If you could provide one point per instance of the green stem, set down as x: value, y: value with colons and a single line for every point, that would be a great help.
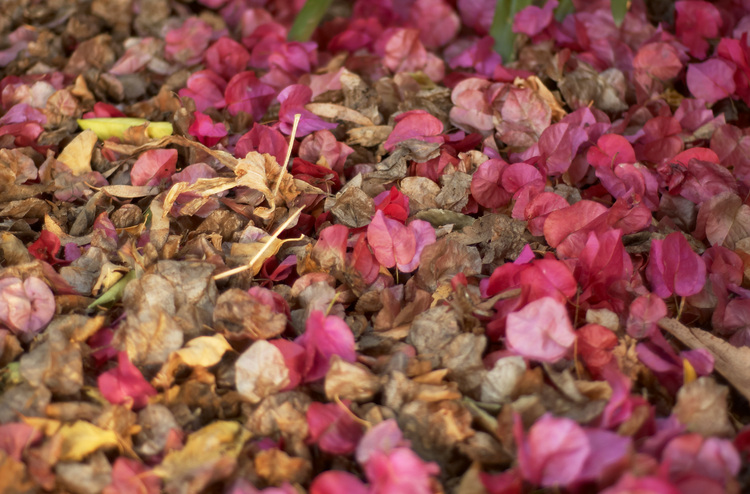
x: 308, y: 19
x: 502, y: 27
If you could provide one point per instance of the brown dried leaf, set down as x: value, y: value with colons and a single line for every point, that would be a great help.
x: 370, y: 136
x: 352, y: 207
x: 455, y: 191
x: 260, y: 372
x: 421, y: 191
x: 702, y: 405
x: 350, y: 381
x: 277, y: 467
x: 339, y: 112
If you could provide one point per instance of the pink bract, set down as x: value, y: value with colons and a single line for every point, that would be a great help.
x: 154, y: 166
x: 324, y: 337
x: 25, y: 306
x: 540, y: 331
x: 125, y: 384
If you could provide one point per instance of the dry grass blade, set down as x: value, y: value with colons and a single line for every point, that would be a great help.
x: 281, y: 227
x: 730, y: 361
x: 262, y: 251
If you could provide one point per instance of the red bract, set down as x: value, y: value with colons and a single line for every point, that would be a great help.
x: 477, y: 14
x: 711, y: 80
x: 15, y: 438
x: 46, y: 247
x: 415, y: 124
x: 660, y: 60
x: 554, y: 451
x: 363, y: 261
x: 293, y: 100
x: 262, y: 139
x: 723, y: 220
x: 562, y: 226
x: 540, y: 331
x: 538, y: 209
x: 295, y: 357
x: 473, y: 109
x: 338, y: 482
x: 332, y: 428
x: 101, y: 110
x: 738, y: 52
x: 320, y: 176
x: 595, y: 344
x: 402, y: 51
x: 323, y: 338
x: 25, y: 306
x: 695, y: 21
x: 187, y: 43
x: 559, y: 145
x: 322, y: 144
x: 400, y: 471
x: 104, y: 226
x: 226, y: 57
x: 330, y: 249
x: 601, y: 264
x: 628, y: 484
x: 437, y: 22
x: 361, y: 33
x: 132, y: 477
x: 206, y: 89
x: 125, y: 384
x: 660, y: 140
x: 610, y: 150
x: 25, y: 134
x: 547, y: 278
x: 244, y: 92
x: 691, y: 456
x: 205, y: 130
x: 524, y: 116
x: 532, y: 20
x: 486, y: 187
x: 397, y: 245
x: 271, y: 299
x: 138, y: 55
x: 559, y: 452
x: 289, y: 61
x: 518, y: 175
x: 153, y: 166
x: 645, y: 313
x: 393, y: 203
x: 673, y: 267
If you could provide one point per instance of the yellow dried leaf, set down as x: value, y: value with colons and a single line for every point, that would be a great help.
x: 48, y: 427
x: 116, y: 127
x: 204, y: 350
x: 688, y: 372
x: 83, y: 438
x: 204, y: 448
x: 77, y: 154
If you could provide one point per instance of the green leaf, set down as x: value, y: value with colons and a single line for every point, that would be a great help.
x: 308, y: 19
x: 115, y: 293
x: 619, y: 9
x: 564, y: 8
x: 502, y: 27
